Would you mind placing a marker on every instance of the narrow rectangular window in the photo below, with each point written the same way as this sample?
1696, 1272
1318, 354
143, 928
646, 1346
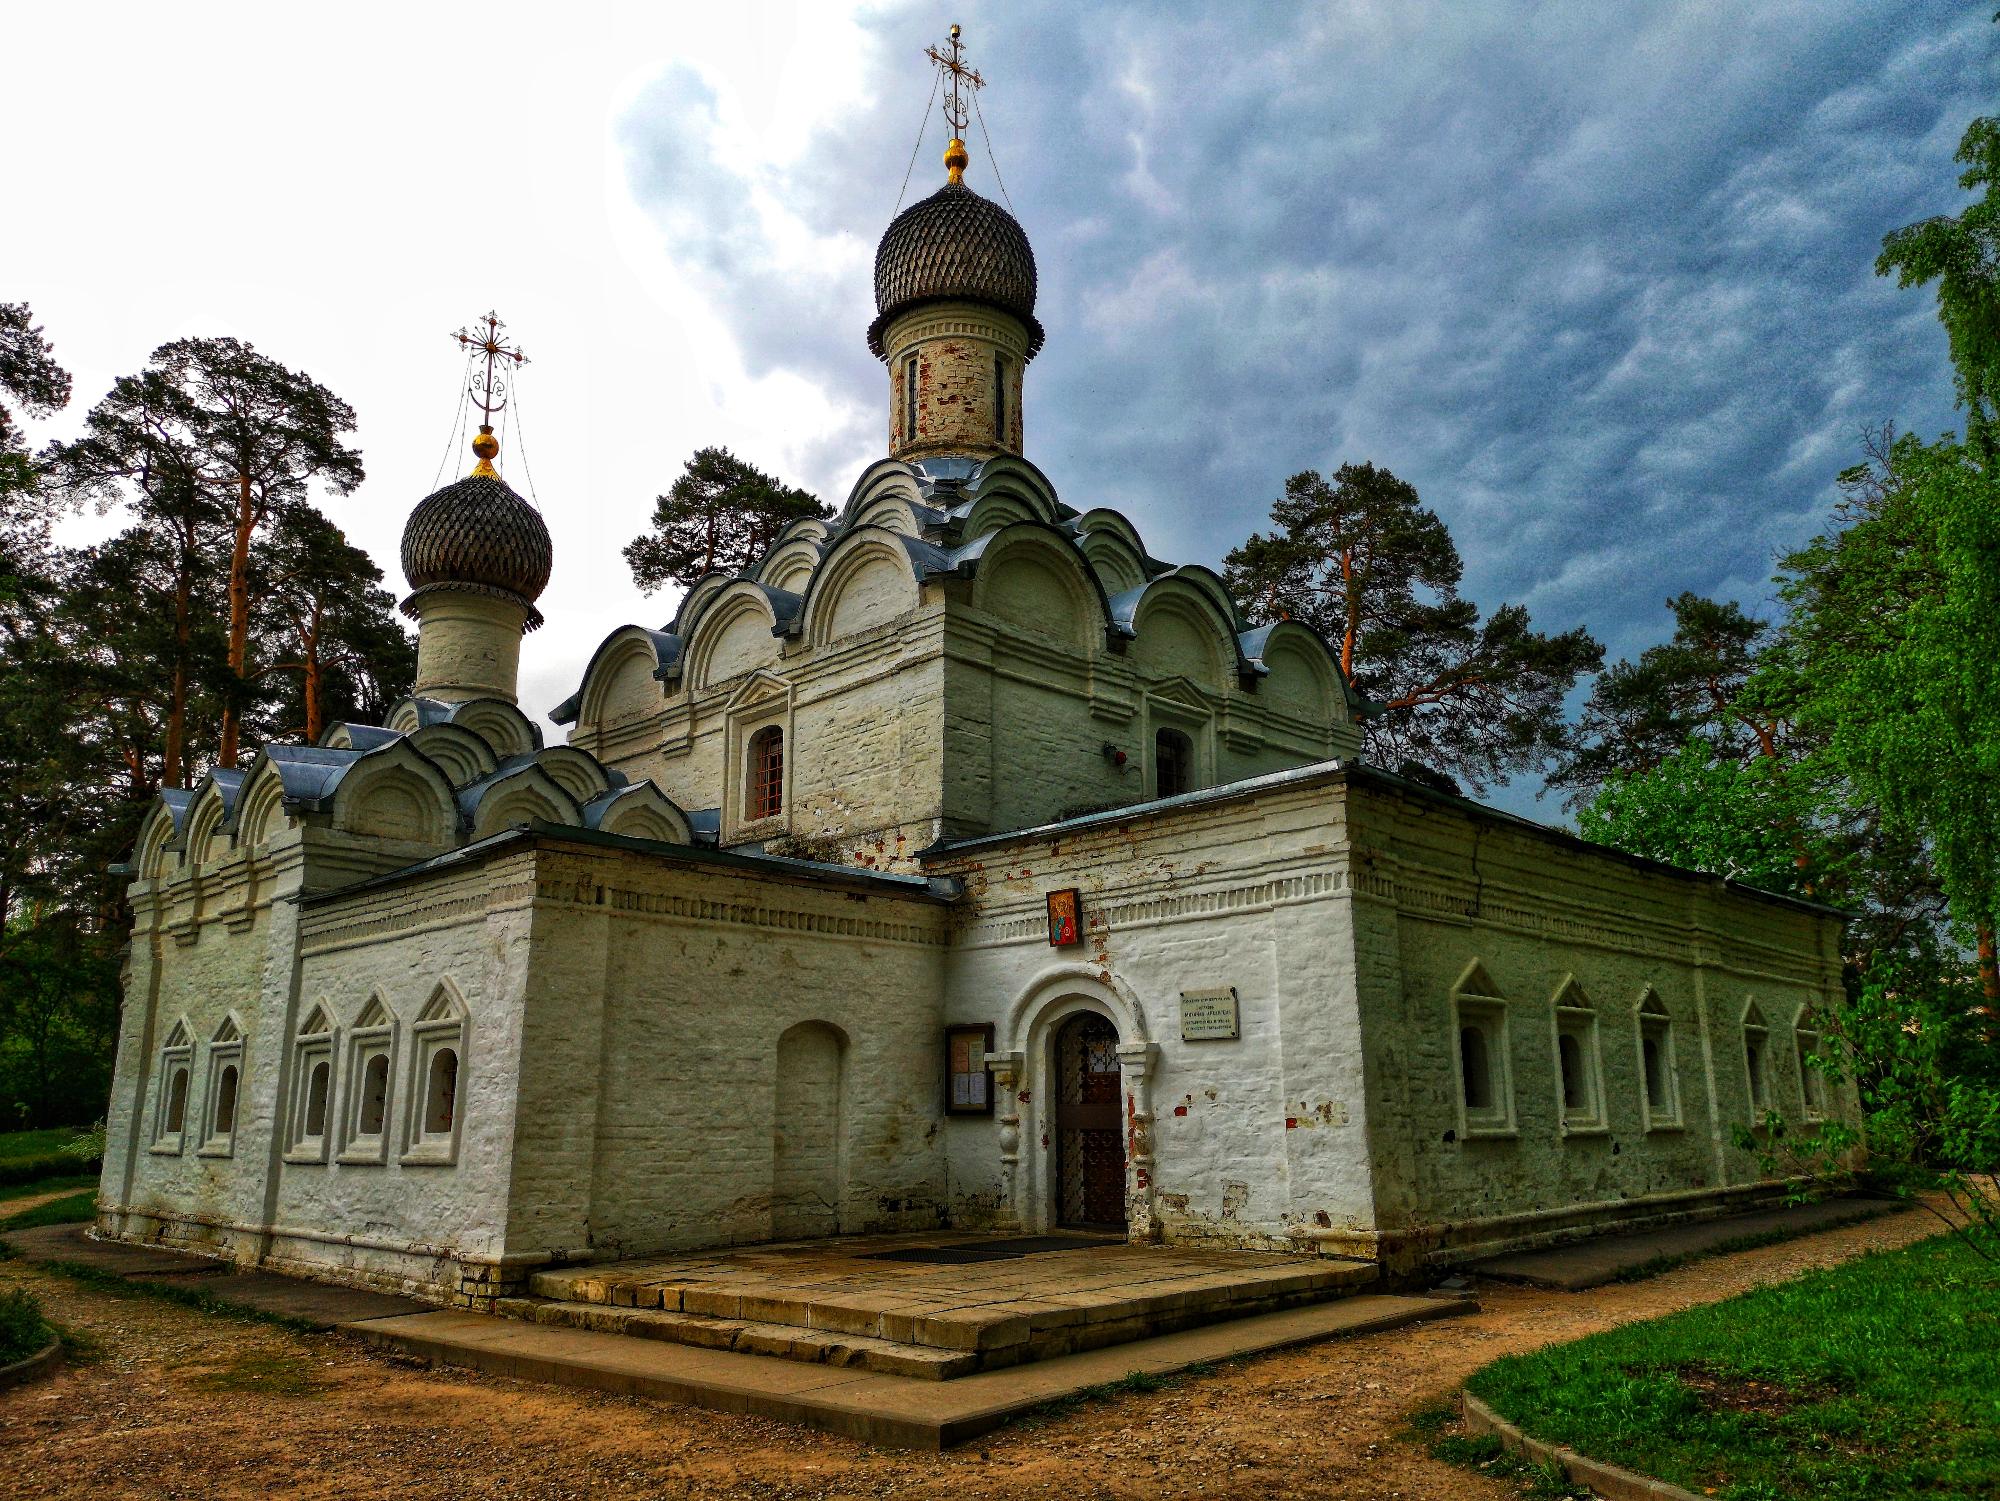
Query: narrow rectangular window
910, 399
1000, 397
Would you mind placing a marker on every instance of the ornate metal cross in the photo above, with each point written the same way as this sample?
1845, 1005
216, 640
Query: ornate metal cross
488, 385
962, 80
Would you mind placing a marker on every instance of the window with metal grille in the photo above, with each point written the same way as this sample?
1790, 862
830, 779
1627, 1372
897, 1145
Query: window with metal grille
1173, 764
910, 399
767, 773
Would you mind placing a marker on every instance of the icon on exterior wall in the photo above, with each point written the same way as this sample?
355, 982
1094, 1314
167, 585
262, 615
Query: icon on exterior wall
1065, 918
969, 1089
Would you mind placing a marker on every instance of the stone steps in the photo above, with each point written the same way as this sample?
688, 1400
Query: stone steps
980, 1322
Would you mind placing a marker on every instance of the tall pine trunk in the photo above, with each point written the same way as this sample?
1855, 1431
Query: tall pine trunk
315, 716
239, 619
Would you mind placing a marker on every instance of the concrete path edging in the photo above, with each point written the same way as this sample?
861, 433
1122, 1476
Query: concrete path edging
44, 1362
1609, 1481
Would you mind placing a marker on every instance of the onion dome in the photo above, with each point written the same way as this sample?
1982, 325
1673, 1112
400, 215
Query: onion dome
476, 536
954, 246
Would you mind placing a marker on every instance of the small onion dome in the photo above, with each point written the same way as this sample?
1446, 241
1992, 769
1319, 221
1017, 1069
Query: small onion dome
476, 536
952, 246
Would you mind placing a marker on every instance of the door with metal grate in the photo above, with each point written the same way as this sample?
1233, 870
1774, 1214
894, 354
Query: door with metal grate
1090, 1135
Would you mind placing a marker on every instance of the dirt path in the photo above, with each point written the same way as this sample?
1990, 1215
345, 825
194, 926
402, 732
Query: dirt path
27, 1201
180, 1404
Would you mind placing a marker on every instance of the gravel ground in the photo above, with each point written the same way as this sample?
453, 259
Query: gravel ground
181, 1404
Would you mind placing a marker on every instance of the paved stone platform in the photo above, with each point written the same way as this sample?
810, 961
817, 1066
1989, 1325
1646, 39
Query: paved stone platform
893, 1411
1592, 1263
938, 1306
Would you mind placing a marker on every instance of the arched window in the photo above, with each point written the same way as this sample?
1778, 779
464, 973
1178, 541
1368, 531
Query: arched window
767, 774
910, 399
311, 1088
176, 1065
370, 1051
438, 1047
316, 1093
225, 1102
1000, 398
1656, 1064
375, 1095
1173, 764
1812, 1077
1475, 1068
1575, 1096
1756, 1060
441, 1093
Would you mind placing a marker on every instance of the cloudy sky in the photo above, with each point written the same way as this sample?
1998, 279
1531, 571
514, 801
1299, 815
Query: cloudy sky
1595, 278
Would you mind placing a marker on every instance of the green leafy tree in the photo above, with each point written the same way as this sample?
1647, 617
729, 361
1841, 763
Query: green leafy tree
720, 515
1363, 562
1701, 810
1962, 255
32, 384
326, 629
1895, 629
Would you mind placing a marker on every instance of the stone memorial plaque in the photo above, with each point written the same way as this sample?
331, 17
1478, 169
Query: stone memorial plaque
1209, 1016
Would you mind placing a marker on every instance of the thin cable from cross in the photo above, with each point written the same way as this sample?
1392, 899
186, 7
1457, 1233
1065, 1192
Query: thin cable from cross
992, 156
924, 120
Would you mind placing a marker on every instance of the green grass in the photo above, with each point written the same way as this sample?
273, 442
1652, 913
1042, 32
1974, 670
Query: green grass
19, 1144
1873, 1379
23, 1330
73, 1209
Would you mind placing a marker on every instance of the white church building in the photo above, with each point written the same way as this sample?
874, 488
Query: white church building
961, 864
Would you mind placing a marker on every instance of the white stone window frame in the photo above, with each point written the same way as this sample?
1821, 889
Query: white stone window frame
224, 1052
367, 1041
1473, 1004
1573, 1015
176, 1056
442, 1025
1756, 1055
310, 1048
1814, 1094
763, 703
1653, 1022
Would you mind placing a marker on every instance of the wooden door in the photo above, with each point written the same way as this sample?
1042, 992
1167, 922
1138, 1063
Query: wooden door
1090, 1125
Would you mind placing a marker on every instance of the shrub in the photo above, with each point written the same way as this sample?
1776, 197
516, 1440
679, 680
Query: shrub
23, 1330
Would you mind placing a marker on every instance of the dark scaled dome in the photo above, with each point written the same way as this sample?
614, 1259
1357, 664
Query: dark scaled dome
477, 536
954, 245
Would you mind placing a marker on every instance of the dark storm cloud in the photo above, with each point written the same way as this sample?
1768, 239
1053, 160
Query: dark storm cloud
1597, 279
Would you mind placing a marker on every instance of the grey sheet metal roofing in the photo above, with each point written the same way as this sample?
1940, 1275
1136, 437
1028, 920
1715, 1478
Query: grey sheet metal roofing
477, 535
954, 245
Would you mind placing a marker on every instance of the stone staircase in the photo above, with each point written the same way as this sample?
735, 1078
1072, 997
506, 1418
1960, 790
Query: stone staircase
933, 1307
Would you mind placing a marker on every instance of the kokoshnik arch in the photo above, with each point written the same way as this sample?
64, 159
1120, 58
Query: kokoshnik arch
431, 1005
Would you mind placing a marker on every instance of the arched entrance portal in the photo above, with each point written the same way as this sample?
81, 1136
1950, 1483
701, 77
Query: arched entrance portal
1089, 1139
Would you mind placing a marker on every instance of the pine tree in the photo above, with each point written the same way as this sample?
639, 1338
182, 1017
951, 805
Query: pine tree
720, 515
1360, 560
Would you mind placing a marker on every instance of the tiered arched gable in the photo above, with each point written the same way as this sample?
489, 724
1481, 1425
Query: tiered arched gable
1179, 630
260, 808
462, 754
626, 678
790, 564
577, 772
396, 792
639, 811
206, 839
1031, 575
868, 578
154, 854
883, 478
1120, 565
734, 632
500, 724
516, 796
1297, 670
